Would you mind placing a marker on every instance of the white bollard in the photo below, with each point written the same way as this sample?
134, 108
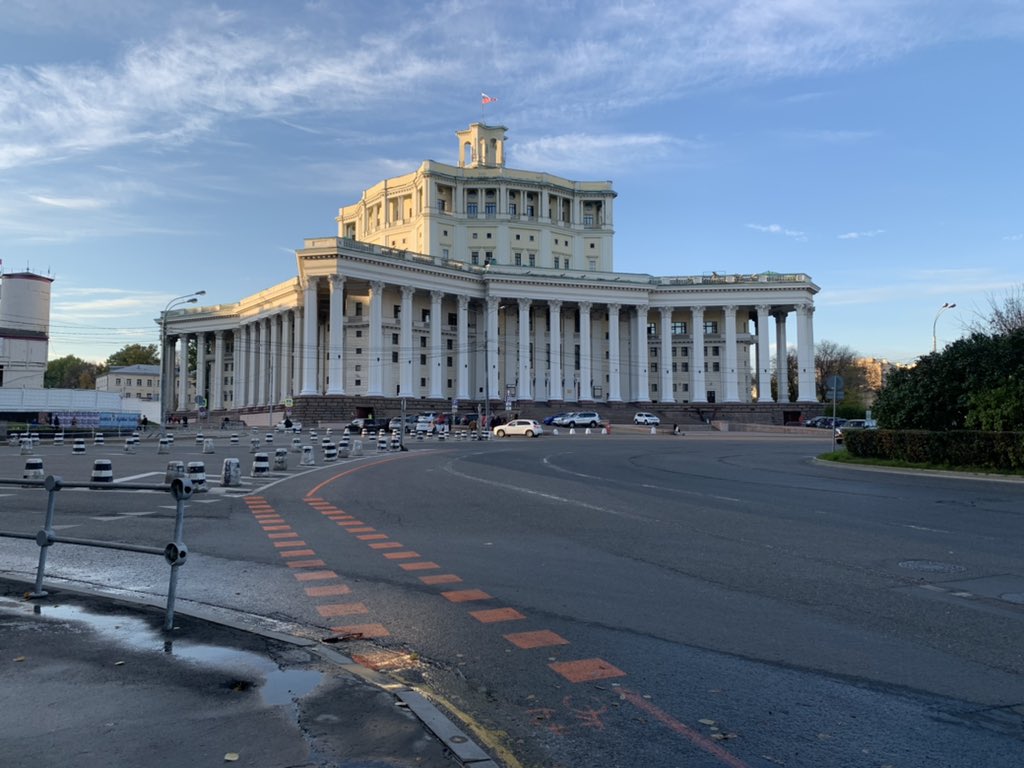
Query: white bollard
261, 465
129, 445
654, 430
175, 471
308, 459
102, 471
231, 473
33, 469
197, 474
208, 445
164, 446
78, 446
280, 459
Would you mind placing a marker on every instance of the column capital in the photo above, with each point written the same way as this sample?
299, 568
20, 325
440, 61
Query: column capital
779, 314
763, 309
586, 306
805, 309
697, 309
407, 292
463, 301
730, 309
376, 286
666, 312
438, 295
336, 281
642, 309
492, 303
555, 305
524, 303
310, 281
614, 308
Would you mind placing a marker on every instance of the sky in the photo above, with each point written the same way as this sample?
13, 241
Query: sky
151, 149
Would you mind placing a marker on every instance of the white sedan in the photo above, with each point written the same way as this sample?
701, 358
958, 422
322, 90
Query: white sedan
646, 418
527, 427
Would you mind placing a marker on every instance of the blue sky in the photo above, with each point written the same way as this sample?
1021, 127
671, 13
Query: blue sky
150, 149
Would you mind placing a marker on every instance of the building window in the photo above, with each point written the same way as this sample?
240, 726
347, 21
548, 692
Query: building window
117, 381
444, 252
474, 257
471, 209
425, 316
654, 367
518, 258
711, 326
652, 329
138, 382
714, 351
423, 359
394, 357
423, 382
440, 205
359, 350
359, 367
490, 209
588, 219
678, 329
512, 208
358, 382
358, 308
685, 367
359, 334
423, 342
488, 257
394, 338
453, 318
398, 311
529, 210
449, 361
518, 237
476, 235
715, 367
686, 351
450, 343
533, 259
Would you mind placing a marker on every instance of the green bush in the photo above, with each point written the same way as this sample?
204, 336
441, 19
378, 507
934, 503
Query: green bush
958, 448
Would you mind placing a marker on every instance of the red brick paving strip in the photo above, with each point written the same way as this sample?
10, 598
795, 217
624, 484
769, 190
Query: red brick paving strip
496, 614
315, 575
466, 595
342, 609
441, 578
586, 670
329, 590
426, 566
540, 639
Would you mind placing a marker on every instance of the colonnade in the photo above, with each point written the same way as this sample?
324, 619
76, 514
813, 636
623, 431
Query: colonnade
290, 351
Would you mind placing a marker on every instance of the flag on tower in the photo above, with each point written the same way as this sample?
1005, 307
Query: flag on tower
485, 99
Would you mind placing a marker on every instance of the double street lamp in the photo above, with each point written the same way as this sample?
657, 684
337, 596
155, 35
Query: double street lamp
167, 366
943, 308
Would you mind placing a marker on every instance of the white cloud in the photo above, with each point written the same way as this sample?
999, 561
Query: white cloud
76, 203
859, 235
776, 229
1014, 238
589, 153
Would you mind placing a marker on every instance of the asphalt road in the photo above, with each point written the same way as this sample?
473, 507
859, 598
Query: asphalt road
619, 601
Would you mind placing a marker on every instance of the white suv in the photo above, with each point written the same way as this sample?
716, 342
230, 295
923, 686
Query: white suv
646, 418
583, 419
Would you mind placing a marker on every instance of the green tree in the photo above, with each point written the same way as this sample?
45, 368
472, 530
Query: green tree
792, 378
832, 359
132, 354
70, 372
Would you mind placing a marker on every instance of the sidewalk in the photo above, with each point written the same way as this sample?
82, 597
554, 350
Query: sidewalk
94, 682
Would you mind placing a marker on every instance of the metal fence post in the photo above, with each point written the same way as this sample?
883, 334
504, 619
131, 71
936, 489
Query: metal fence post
176, 552
45, 537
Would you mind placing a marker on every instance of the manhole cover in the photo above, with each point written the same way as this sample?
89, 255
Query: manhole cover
931, 566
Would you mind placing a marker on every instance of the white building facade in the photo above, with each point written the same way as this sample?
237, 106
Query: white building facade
24, 329
476, 282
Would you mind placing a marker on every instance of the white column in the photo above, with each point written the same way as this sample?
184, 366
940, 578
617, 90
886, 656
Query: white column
764, 356
491, 352
698, 385
253, 374
462, 351
586, 373
643, 383
274, 366
376, 323
217, 374
238, 366
806, 392
614, 382
201, 364
183, 372
336, 337
540, 355
405, 355
523, 390
437, 355
555, 388
287, 351
667, 396
167, 379
781, 357
731, 376
309, 345
264, 361
298, 358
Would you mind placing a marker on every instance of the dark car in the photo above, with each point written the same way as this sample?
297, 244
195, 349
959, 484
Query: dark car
549, 420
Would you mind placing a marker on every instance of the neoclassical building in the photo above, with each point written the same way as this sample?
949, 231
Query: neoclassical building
474, 282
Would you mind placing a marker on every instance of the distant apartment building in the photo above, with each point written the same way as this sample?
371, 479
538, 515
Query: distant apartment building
138, 382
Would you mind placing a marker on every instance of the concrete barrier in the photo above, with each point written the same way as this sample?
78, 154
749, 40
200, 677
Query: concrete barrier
102, 471
33, 469
196, 472
78, 446
308, 459
261, 465
175, 471
231, 473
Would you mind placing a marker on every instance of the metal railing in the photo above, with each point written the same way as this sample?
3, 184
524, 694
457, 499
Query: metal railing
174, 553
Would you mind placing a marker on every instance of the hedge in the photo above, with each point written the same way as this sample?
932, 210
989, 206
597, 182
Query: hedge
956, 448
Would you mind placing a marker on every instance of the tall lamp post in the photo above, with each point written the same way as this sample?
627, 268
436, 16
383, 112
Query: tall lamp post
167, 365
943, 308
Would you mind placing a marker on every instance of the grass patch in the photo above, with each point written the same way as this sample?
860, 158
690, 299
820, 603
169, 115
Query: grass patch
844, 457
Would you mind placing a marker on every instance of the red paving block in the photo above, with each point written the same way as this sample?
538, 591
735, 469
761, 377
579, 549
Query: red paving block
441, 578
299, 553
316, 575
269, 528
369, 536
586, 670
352, 522
366, 630
306, 563
387, 545
493, 615
401, 555
342, 609
290, 543
328, 590
466, 595
283, 535
363, 529
425, 566
540, 639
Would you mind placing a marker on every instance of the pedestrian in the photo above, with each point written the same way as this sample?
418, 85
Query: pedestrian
144, 423
56, 421
184, 422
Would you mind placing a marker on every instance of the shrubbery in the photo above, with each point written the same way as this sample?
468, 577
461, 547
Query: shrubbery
953, 448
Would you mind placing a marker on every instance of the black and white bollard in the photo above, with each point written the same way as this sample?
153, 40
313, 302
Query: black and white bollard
261, 465
102, 472
196, 471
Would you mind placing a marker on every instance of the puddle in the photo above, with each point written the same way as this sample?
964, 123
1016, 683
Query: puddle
275, 686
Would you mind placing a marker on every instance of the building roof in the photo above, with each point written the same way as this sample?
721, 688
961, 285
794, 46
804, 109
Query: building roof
145, 370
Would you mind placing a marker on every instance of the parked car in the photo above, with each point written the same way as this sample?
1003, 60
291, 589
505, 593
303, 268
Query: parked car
396, 423
854, 424
562, 419
553, 419
370, 425
525, 427
584, 419
646, 418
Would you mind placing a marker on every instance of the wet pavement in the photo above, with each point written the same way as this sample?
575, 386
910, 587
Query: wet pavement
89, 680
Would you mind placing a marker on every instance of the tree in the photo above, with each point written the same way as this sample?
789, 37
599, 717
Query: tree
831, 359
70, 372
1004, 316
792, 379
132, 354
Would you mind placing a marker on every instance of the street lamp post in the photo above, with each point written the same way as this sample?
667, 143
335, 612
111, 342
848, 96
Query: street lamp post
943, 308
166, 365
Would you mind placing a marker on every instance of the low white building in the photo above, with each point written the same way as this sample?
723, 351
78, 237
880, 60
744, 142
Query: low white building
474, 282
132, 382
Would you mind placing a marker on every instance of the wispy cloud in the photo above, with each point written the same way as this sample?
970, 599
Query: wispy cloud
839, 136
590, 153
75, 203
859, 235
1014, 238
777, 229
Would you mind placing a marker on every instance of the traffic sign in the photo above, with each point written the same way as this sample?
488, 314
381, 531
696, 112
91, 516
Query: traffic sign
200, 401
